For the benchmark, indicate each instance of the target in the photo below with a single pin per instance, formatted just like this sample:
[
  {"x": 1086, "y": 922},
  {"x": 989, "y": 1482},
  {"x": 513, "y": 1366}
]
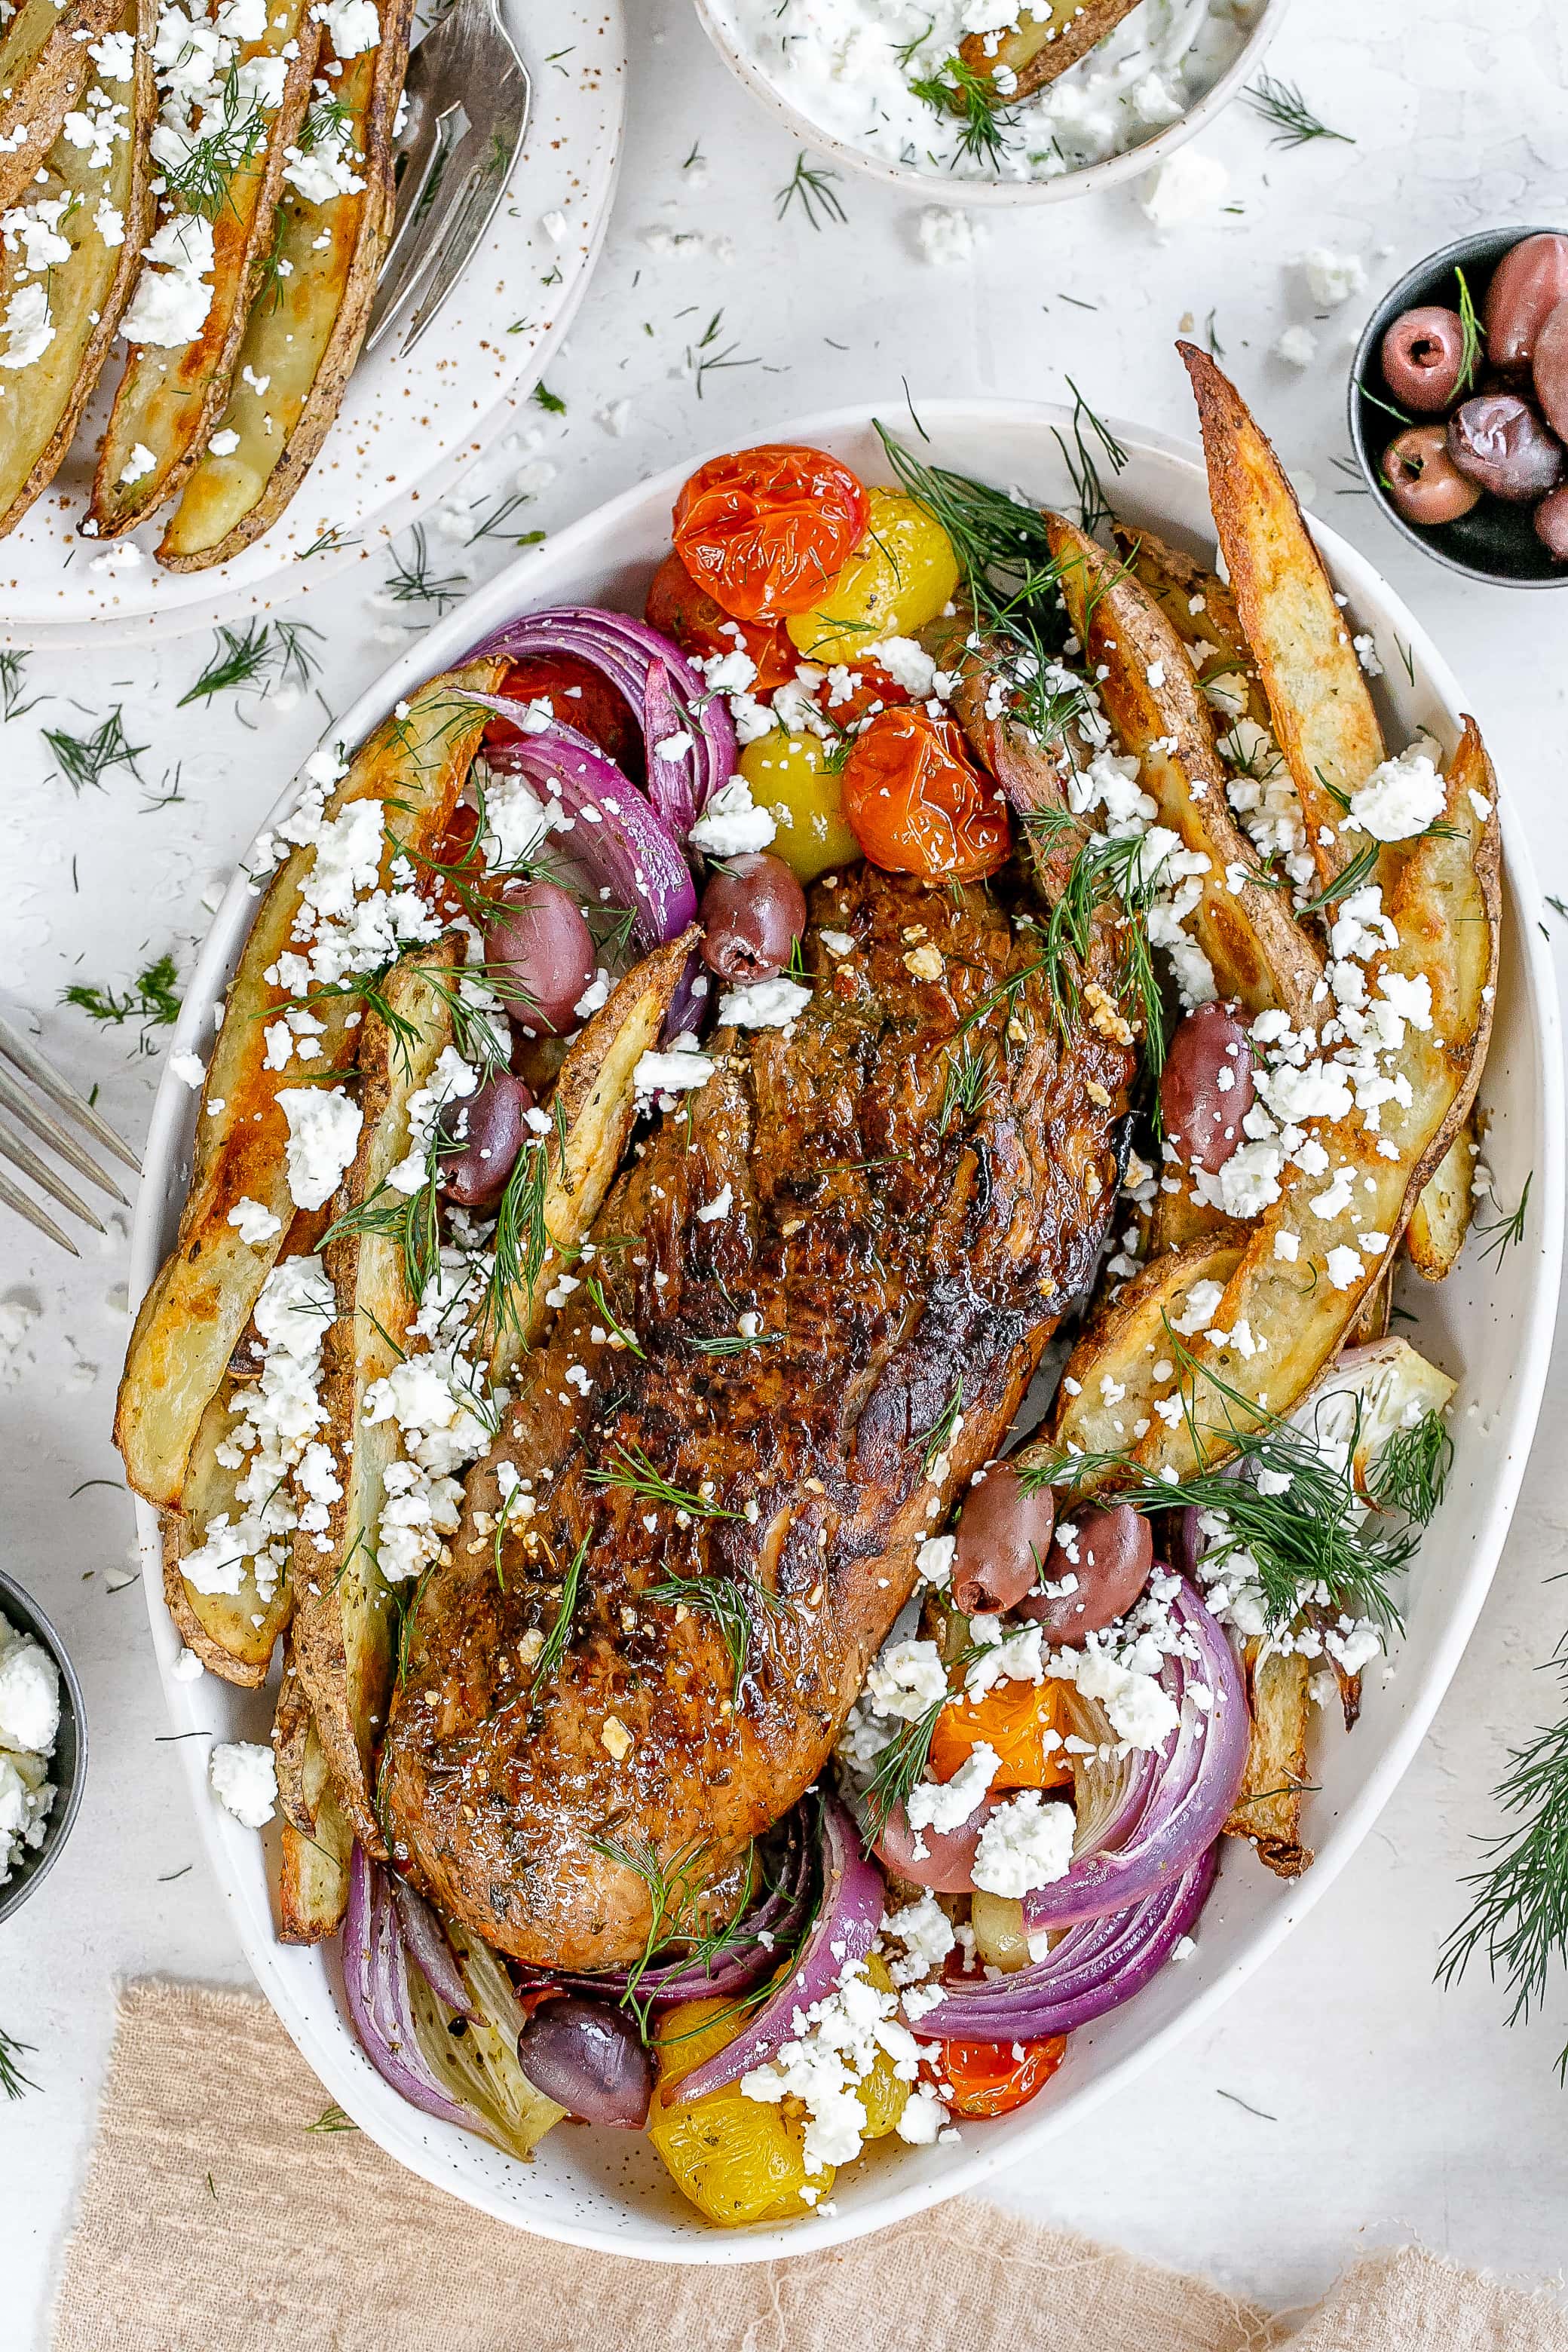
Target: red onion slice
[
  {"x": 376, "y": 1979},
  {"x": 430, "y": 1948},
  {"x": 670, "y": 786},
  {"x": 848, "y": 1916},
  {"x": 616, "y": 835}
]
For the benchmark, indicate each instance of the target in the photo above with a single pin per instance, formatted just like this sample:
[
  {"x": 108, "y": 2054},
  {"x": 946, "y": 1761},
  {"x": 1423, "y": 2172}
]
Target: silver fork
[
  {"x": 14, "y": 1146},
  {"x": 468, "y": 95}
]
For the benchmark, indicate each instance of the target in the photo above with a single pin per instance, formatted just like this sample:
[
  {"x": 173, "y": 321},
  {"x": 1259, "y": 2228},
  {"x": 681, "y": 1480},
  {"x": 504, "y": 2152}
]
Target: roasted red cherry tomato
[
  {"x": 918, "y": 804},
  {"x": 868, "y": 688},
  {"x": 455, "y": 847},
  {"x": 764, "y": 530},
  {"x": 702, "y": 628},
  {"x": 579, "y": 697},
  {"x": 985, "y": 2077}
]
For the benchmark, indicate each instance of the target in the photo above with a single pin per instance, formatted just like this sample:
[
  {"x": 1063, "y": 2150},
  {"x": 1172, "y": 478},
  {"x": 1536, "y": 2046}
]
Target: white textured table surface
[{"x": 1388, "y": 2108}]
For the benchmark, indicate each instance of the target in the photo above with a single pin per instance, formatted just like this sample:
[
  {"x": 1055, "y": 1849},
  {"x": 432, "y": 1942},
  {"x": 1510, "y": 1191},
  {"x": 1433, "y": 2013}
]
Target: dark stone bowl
[{"x": 68, "y": 1767}]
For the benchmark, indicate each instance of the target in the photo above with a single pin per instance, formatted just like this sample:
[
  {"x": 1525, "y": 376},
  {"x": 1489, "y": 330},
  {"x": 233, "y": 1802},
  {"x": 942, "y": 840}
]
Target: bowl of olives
[{"x": 1458, "y": 406}]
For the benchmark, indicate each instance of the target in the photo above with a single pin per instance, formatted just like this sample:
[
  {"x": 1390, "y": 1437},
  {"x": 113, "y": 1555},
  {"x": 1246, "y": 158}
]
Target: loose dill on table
[
  {"x": 153, "y": 997},
  {"x": 1281, "y": 104},
  {"x": 86, "y": 758},
  {"x": 12, "y": 2082},
  {"x": 812, "y": 186}
]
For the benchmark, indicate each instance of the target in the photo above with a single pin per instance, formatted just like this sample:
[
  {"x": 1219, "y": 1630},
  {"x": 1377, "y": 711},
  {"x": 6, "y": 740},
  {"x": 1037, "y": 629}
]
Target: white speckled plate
[
  {"x": 407, "y": 427},
  {"x": 1490, "y": 1325}
]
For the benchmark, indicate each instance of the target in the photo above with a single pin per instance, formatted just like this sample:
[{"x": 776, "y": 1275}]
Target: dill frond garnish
[
  {"x": 966, "y": 1083},
  {"x": 728, "y": 1600},
  {"x": 153, "y": 997},
  {"x": 240, "y": 659},
  {"x": 734, "y": 1343},
  {"x": 812, "y": 186},
  {"x": 13, "y": 671},
  {"x": 1471, "y": 331},
  {"x": 548, "y": 1662},
  {"x": 86, "y": 758},
  {"x": 12, "y": 2082},
  {"x": 616, "y": 1328},
  {"x": 548, "y": 400},
  {"x": 412, "y": 580},
  {"x": 639, "y": 1476},
  {"x": 1281, "y": 104},
  {"x": 702, "y": 360},
  {"x": 1350, "y": 877},
  {"x": 1107, "y": 871},
  {"x": 203, "y": 175},
  {"x": 1412, "y": 1470},
  {"x": 332, "y": 2119},
  {"x": 1085, "y": 426},
  {"x": 934, "y": 1442},
  {"x": 1506, "y": 1231},
  {"x": 900, "y": 1765},
  {"x": 984, "y": 118}
]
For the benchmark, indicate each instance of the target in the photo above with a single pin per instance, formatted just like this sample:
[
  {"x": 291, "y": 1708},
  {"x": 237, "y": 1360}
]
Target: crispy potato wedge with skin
[
  {"x": 1174, "y": 581},
  {"x": 44, "y": 66},
  {"x": 1258, "y": 951},
  {"x": 1042, "y": 46},
  {"x": 290, "y": 1734},
  {"x": 1321, "y": 710},
  {"x": 343, "y": 1637},
  {"x": 313, "y": 1878},
  {"x": 307, "y": 322},
  {"x": 596, "y": 1105},
  {"x": 1447, "y": 909},
  {"x": 1268, "y": 1809},
  {"x": 169, "y": 397},
  {"x": 233, "y": 1633},
  {"x": 43, "y": 403},
  {"x": 1436, "y": 1233},
  {"x": 1122, "y": 1365},
  {"x": 202, "y": 1298}
]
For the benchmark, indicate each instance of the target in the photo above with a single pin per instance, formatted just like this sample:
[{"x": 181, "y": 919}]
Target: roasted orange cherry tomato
[
  {"x": 580, "y": 697},
  {"x": 1015, "y": 1719},
  {"x": 454, "y": 847},
  {"x": 985, "y": 2077},
  {"x": 917, "y": 803},
  {"x": 764, "y": 530},
  {"x": 867, "y": 689},
  {"x": 700, "y": 627}
]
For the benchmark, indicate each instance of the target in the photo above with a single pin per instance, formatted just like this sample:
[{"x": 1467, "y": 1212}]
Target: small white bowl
[{"x": 715, "y": 19}]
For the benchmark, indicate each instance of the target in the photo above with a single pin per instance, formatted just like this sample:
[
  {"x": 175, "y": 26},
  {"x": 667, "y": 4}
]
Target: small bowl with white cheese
[
  {"x": 918, "y": 94},
  {"x": 43, "y": 1746}
]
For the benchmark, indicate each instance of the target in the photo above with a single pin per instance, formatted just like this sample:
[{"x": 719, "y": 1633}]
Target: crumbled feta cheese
[
  {"x": 732, "y": 824},
  {"x": 1400, "y": 797},
  {"x": 190, "y": 1070},
  {"x": 1333, "y": 277},
  {"x": 764, "y": 1004},
  {"x": 1027, "y": 1843},
  {"x": 1298, "y": 347},
  {"x": 906, "y": 1678},
  {"x": 1183, "y": 186},
  {"x": 255, "y": 1222},
  {"x": 243, "y": 1776},
  {"x": 323, "y": 1136}
]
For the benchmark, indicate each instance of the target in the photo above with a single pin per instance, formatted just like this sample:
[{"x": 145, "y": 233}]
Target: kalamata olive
[
  {"x": 1528, "y": 282},
  {"x": 589, "y": 2059},
  {"x": 1205, "y": 1086},
  {"x": 539, "y": 955},
  {"x": 753, "y": 912},
  {"x": 947, "y": 1863},
  {"x": 1549, "y": 368},
  {"x": 1423, "y": 482},
  {"x": 1105, "y": 1557},
  {"x": 480, "y": 1137},
  {"x": 1501, "y": 443},
  {"x": 1424, "y": 357},
  {"x": 1552, "y": 522},
  {"x": 1003, "y": 1539}
]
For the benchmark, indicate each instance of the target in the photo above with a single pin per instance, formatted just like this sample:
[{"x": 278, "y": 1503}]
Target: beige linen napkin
[{"x": 213, "y": 2220}]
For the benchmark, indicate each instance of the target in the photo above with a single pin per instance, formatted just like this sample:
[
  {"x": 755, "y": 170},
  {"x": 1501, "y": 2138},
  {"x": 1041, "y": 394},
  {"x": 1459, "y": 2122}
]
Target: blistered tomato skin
[
  {"x": 578, "y": 696},
  {"x": 752, "y": 914},
  {"x": 1499, "y": 442},
  {"x": 790, "y": 777},
  {"x": 1527, "y": 285},
  {"x": 870, "y": 689},
  {"x": 682, "y": 610},
  {"x": 737, "y": 2160},
  {"x": 902, "y": 574},
  {"x": 1205, "y": 1086},
  {"x": 764, "y": 530},
  {"x": 978, "y": 2079},
  {"x": 918, "y": 804},
  {"x": 1423, "y": 482},
  {"x": 1424, "y": 358}
]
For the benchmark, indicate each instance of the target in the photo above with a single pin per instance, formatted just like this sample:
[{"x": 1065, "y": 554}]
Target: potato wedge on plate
[
  {"x": 308, "y": 318},
  {"x": 1123, "y": 1362},
  {"x": 1436, "y": 1233},
  {"x": 105, "y": 208},
  {"x": 233, "y": 1633},
  {"x": 226, "y": 192},
  {"x": 1201, "y": 609},
  {"x": 1268, "y": 1809},
  {"x": 44, "y": 66},
  {"x": 1042, "y": 44},
  {"x": 316, "y": 1839},
  {"x": 205, "y": 1291}
]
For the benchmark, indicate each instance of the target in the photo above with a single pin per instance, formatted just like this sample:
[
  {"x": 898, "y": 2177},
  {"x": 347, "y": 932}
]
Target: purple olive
[
  {"x": 539, "y": 955},
  {"x": 1496, "y": 440},
  {"x": 480, "y": 1138},
  {"x": 589, "y": 2059},
  {"x": 1527, "y": 284},
  {"x": 947, "y": 1865},
  {"x": 1552, "y": 522},
  {"x": 1424, "y": 483},
  {"x": 1003, "y": 1539},
  {"x": 1424, "y": 357},
  {"x": 1107, "y": 1554},
  {"x": 753, "y": 912},
  {"x": 1205, "y": 1086},
  {"x": 1549, "y": 368}
]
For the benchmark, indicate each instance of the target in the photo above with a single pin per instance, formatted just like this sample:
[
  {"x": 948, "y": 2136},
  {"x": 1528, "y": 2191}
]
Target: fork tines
[{"x": 41, "y": 1121}]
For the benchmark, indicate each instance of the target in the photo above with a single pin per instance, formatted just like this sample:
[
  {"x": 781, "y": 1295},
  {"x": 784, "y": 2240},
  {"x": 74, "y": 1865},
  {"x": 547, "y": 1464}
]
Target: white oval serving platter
[
  {"x": 1490, "y": 1325},
  {"x": 408, "y": 426}
]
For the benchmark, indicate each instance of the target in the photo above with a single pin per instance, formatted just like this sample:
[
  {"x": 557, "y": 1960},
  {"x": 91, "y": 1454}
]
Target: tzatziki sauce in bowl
[{"x": 919, "y": 92}]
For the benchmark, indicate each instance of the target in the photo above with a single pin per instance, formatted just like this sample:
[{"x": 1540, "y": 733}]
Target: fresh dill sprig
[
  {"x": 13, "y": 670},
  {"x": 493, "y": 524},
  {"x": 1470, "y": 333},
  {"x": 1506, "y": 1231},
  {"x": 297, "y": 662},
  {"x": 727, "y": 1600},
  {"x": 1085, "y": 425},
  {"x": 239, "y": 658},
  {"x": 1413, "y": 1468},
  {"x": 673, "y": 1888},
  {"x": 985, "y": 117},
  {"x": 616, "y": 1328},
  {"x": 521, "y": 1243},
  {"x": 548, "y": 1662},
  {"x": 935, "y": 1442},
  {"x": 86, "y": 758},
  {"x": 412, "y": 580},
  {"x": 12, "y": 2082},
  {"x": 1281, "y": 104},
  {"x": 643, "y": 1478},
  {"x": 1349, "y": 878},
  {"x": 900, "y": 1765},
  {"x": 812, "y": 186},
  {"x": 204, "y": 173},
  {"x": 734, "y": 1343},
  {"x": 153, "y": 997},
  {"x": 548, "y": 400},
  {"x": 332, "y": 2119},
  {"x": 1107, "y": 870},
  {"x": 965, "y": 1084},
  {"x": 700, "y": 367}
]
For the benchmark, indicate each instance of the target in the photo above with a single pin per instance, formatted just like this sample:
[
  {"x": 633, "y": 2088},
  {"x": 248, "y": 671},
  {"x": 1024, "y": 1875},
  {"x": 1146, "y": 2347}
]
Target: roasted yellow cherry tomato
[
  {"x": 902, "y": 575},
  {"x": 790, "y": 777},
  {"x": 881, "y": 2093},
  {"x": 737, "y": 2160}
]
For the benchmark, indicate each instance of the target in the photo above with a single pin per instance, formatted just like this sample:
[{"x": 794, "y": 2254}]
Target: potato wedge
[
  {"x": 1212, "y": 635},
  {"x": 205, "y": 1291},
  {"x": 44, "y": 64},
  {"x": 1268, "y": 1809},
  {"x": 170, "y": 394},
  {"x": 1123, "y": 1362},
  {"x": 233, "y": 1633},
  {"x": 1321, "y": 710},
  {"x": 87, "y": 293},
  {"x": 1447, "y": 909},
  {"x": 1253, "y": 944},
  {"x": 316, "y": 1839},
  {"x": 594, "y": 1106},
  {"x": 1436, "y": 1233},
  {"x": 342, "y": 1639},
  {"x": 1042, "y": 44},
  {"x": 308, "y": 318}
]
